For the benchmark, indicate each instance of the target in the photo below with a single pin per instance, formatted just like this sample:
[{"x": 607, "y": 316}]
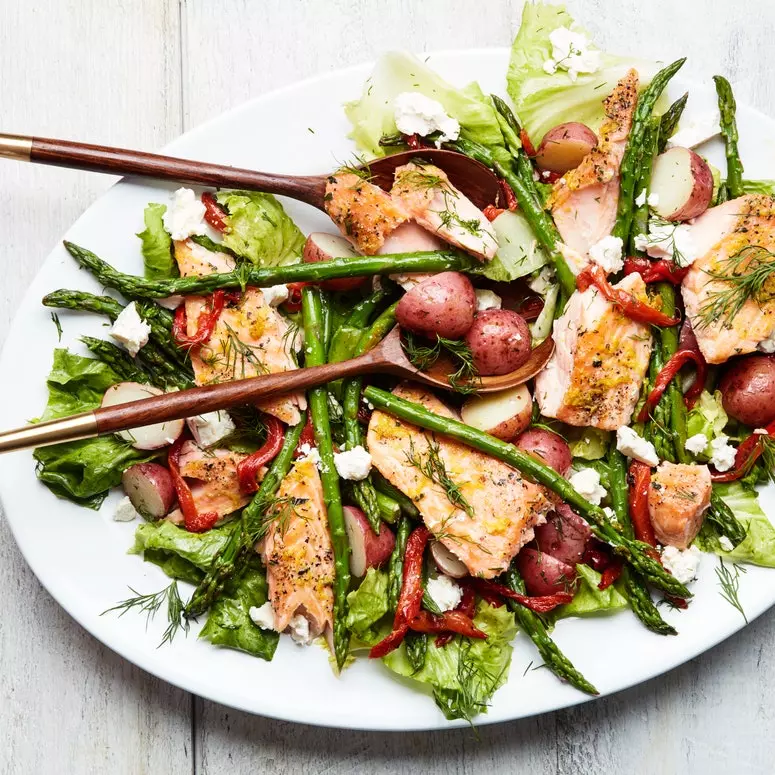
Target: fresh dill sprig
[
  {"x": 151, "y": 603},
  {"x": 434, "y": 468},
  {"x": 423, "y": 356},
  {"x": 748, "y": 274},
  {"x": 358, "y": 166},
  {"x": 729, "y": 582},
  {"x": 58, "y": 325},
  {"x": 277, "y": 513}
]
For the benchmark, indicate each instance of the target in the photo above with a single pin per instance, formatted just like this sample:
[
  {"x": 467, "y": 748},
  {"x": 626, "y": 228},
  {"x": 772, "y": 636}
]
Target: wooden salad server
[
  {"x": 386, "y": 358},
  {"x": 477, "y": 182}
]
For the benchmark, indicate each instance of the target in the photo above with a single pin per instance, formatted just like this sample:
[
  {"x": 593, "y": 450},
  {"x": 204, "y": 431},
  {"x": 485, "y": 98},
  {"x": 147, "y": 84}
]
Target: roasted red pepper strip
[
  {"x": 491, "y": 212},
  {"x": 610, "y": 574},
  {"x": 449, "y": 621},
  {"x": 666, "y": 376},
  {"x": 194, "y": 521},
  {"x": 747, "y": 454},
  {"x": 508, "y": 195},
  {"x": 526, "y": 144},
  {"x": 205, "y": 325},
  {"x": 293, "y": 302},
  {"x": 215, "y": 215},
  {"x": 639, "y": 476},
  {"x": 247, "y": 468},
  {"x": 541, "y": 604},
  {"x": 594, "y": 274},
  {"x": 467, "y": 607},
  {"x": 655, "y": 271},
  {"x": 410, "y": 599}
]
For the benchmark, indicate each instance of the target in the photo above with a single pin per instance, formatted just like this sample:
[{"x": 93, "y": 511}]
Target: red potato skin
[
  {"x": 748, "y": 390},
  {"x": 157, "y": 477},
  {"x": 564, "y": 146},
  {"x": 312, "y": 255},
  {"x": 548, "y": 447},
  {"x": 544, "y": 574},
  {"x": 702, "y": 191},
  {"x": 564, "y": 535},
  {"x": 377, "y": 548},
  {"x": 442, "y": 305},
  {"x": 499, "y": 340}
]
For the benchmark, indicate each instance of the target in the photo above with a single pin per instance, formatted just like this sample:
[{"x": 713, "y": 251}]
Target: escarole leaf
[
  {"x": 258, "y": 228},
  {"x": 158, "y": 260},
  {"x": 542, "y": 100},
  {"x": 367, "y": 605},
  {"x": 372, "y": 116}
]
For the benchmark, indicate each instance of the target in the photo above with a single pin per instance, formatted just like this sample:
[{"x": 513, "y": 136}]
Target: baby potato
[
  {"x": 564, "y": 146},
  {"x": 442, "y": 305},
  {"x": 499, "y": 340},
  {"x": 748, "y": 390}
]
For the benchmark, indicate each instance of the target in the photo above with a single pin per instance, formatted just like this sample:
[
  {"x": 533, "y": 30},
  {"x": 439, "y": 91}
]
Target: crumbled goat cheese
[
  {"x": 130, "y": 330},
  {"x": 171, "y": 302},
  {"x": 262, "y": 616},
  {"x": 608, "y": 253},
  {"x": 640, "y": 200},
  {"x": 572, "y": 51},
  {"x": 636, "y": 447},
  {"x": 486, "y": 299},
  {"x": 653, "y": 200},
  {"x": 696, "y": 444},
  {"x": 417, "y": 114},
  {"x": 299, "y": 630},
  {"x": 308, "y": 452},
  {"x": 668, "y": 240},
  {"x": 353, "y": 464},
  {"x": 184, "y": 216},
  {"x": 767, "y": 345},
  {"x": 275, "y": 295},
  {"x": 722, "y": 453},
  {"x": 610, "y": 514},
  {"x": 696, "y": 131},
  {"x": 725, "y": 543},
  {"x": 210, "y": 427},
  {"x": 125, "y": 511},
  {"x": 444, "y": 592},
  {"x": 542, "y": 282},
  {"x": 761, "y": 432},
  {"x": 682, "y": 564},
  {"x": 587, "y": 484}
]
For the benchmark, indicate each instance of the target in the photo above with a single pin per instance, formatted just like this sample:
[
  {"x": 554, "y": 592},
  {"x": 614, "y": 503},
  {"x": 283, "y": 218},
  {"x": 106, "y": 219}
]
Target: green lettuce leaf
[
  {"x": 158, "y": 259},
  {"x": 518, "y": 252},
  {"x": 588, "y": 443},
  {"x": 590, "y": 600},
  {"x": 543, "y": 101},
  {"x": 367, "y": 605},
  {"x": 707, "y": 417},
  {"x": 464, "y": 674},
  {"x": 229, "y": 623},
  {"x": 259, "y": 229},
  {"x": 758, "y": 547},
  {"x": 759, "y": 187},
  {"x": 372, "y": 115}
]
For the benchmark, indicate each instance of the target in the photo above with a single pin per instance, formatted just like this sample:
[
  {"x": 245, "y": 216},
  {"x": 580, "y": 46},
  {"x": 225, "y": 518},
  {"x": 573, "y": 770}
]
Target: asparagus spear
[
  {"x": 669, "y": 121},
  {"x": 132, "y": 286},
  {"x": 628, "y": 169},
  {"x": 312, "y": 311},
  {"x": 727, "y": 108},
  {"x": 118, "y": 360},
  {"x": 632, "y": 551},
  {"x": 640, "y": 220},
  {"x": 724, "y": 519},
  {"x": 396, "y": 564},
  {"x": 232, "y": 559},
  {"x": 533, "y": 625}
]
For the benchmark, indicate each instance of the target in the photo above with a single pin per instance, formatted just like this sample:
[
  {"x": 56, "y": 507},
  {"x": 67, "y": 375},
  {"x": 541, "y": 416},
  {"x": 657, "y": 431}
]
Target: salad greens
[{"x": 157, "y": 245}]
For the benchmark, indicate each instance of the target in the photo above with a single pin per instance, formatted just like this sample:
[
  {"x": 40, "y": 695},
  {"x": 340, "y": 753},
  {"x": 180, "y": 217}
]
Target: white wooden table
[{"x": 137, "y": 73}]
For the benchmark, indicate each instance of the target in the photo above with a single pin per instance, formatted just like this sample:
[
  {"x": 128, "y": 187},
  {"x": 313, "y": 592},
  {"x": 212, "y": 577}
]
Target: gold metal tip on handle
[
  {"x": 17, "y": 147},
  {"x": 79, "y": 426}
]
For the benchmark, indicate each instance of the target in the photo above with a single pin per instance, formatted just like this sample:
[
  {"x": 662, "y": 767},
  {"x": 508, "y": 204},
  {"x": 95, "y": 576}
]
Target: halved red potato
[
  {"x": 548, "y": 447},
  {"x": 446, "y": 562},
  {"x": 442, "y": 305},
  {"x": 564, "y": 535},
  {"x": 683, "y": 184},
  {"x": 368, "y": 550},
  {"x": 499, "y": 340},
  {"x": 503, "y": 415},
  {"x": 544, "y": 574},
  {"x": 748, "y": 390},
  {"x": 150, "y": 489},
  {"x": 325, "y": 247},
  {"x": 150, "y": 436},
  {"x": 564, "y": 146}
]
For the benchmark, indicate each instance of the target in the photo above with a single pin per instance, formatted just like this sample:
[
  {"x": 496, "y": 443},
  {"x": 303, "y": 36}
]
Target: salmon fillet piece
[
  {"x": 249, "y": 339},
  {"x": 720, "y": 336},
  {"x": 216, "y": 489},
  {"x": 584, "y": 201},
  {"x": 679, "y": 495},
  {"x": 506, "y": 507},
  {"x": 298, "y": 554},
  {"x": 410, "y": 237},
  {"x": 425, "y": 192},
  {"x": 600, "y": 360},
  {"x": 364, "y": 213}
]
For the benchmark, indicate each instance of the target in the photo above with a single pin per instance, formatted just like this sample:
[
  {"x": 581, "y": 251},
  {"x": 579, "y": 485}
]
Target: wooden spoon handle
[{"x": 120, "y": 161}]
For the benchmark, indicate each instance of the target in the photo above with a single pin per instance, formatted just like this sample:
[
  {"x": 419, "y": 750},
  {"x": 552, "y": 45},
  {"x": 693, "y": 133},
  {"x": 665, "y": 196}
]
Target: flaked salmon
[
  {"x": 424, "y": 191},
  {"x": 249, "y": 339},
  {"x": 600, "y": 360},
  {"x": 298, "y": 554},
  {"x": 364, "y": 213},
  {"x": 585, "y": 200},
  {"x": 678, "y": 498},
  {"x": 410, "y": 237},
  {"x": 504, "y": 506},
  {"x": 724, "y": 330}
]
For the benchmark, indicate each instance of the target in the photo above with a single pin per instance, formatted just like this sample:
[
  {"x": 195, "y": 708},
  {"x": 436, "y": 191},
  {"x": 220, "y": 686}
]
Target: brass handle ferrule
[
  {"x": 79, "y": 426},
  {"x": 17, "y": 147}
]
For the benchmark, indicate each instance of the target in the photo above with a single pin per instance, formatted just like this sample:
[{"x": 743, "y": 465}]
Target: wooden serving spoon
[
  {"x": 386, "y": 358},
  {"x": 477, "y": 182}
]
